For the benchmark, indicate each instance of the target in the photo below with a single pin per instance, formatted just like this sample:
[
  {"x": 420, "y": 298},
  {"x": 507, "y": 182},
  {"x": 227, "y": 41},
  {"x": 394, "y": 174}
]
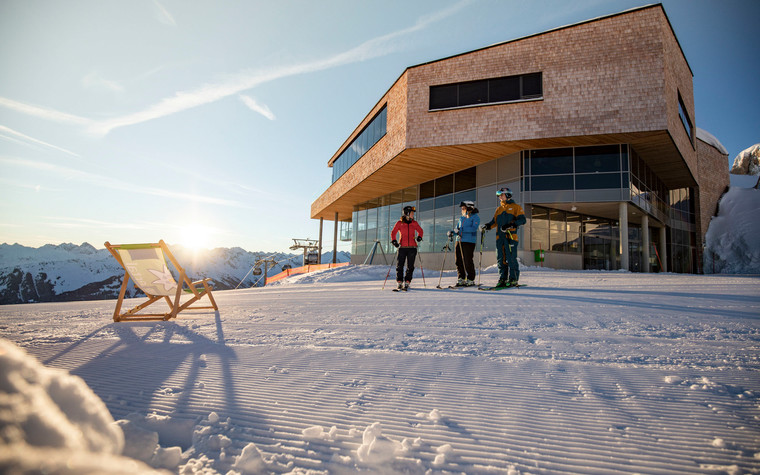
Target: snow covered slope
[
  {"x": 732, "y": 242},
  {"x": 55, "y": 273},
  {"x": 577, "y": 373}
]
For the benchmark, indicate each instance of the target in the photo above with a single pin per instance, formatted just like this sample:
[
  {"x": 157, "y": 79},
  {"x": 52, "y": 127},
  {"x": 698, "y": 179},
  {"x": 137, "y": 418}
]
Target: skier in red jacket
[{"x": 407, "y": 249}]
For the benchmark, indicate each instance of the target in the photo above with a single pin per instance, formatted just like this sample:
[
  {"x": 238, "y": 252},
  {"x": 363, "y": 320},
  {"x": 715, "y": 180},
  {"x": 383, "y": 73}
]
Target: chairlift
[{"x": 257, "y": 271}]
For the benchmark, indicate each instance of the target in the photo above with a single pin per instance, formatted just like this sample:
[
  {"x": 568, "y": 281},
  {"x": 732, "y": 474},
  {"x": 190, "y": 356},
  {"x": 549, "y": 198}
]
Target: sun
[{"x": 195, "y": 237}]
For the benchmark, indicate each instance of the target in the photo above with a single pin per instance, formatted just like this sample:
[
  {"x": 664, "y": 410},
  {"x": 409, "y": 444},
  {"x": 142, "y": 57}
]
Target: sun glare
[{"x": 195, "y": 237}]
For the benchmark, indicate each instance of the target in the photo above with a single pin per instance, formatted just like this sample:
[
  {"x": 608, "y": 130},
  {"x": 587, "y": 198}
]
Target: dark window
[
  {"x": 548, "y": 183},
  {"x": 597, "y": 159},
  {"x": 427, "y": 190},
  {"x": 597, "y": 181},
  {"x": 551, "y": 161},
  {"x": 366, "y": 139},
  {"x": 475, "y": 92},
  {"x": 685, "y": 119},
  {"x": 486, "y": 91},
  {"x": 444, "y": 185},
  {"x": 531, "y": 85},
  {"x": 504, "y": 89},
  {"x": 443, "y": 97},
  {"x": 465, "y": 180}
]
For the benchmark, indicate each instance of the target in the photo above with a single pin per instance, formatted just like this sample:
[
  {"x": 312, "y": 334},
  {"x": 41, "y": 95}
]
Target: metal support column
[
  {"x": 335, "y": 240},
  {"x": 321, "y": 223},
  {"x": 663, "y": 249},
  {"x": 623, "y": 219},
  {"x": 645, "y": 243}
]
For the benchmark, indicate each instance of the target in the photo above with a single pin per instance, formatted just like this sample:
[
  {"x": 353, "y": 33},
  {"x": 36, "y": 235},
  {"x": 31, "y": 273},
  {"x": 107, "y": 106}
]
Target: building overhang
[{"x": 418, "y": 165}]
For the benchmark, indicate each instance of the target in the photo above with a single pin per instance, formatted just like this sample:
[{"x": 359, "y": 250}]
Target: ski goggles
[{"x": 503, "y": 191}]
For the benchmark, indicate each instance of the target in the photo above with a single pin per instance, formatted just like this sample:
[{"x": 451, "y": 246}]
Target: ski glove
[
  {"x": 419, "y": 238},
  {"x": 483, "y": 228},
  {"x": 395, "y": 243},
  {"x": 509, "y": 226}
]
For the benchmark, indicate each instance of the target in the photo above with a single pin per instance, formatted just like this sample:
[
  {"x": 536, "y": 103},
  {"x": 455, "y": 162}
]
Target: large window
[
  {"x": 437, "y": 202},
  {"x": 580, "y": 168},
  {"x": 684, "y": 116},
  {"x": 487, "y": 91},
  {"x": 368, "y": 137}
]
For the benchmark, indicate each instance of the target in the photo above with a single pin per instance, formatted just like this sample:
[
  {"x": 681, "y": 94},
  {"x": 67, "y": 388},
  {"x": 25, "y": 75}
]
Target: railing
[{"x": 303, "y": 270}]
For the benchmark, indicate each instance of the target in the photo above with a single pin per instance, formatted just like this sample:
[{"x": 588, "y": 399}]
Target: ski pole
[
  {"x": 422, "y": 269},
  {"x": 446, "y": 251},
  {"x": 461, "y": 256},
  {"x": 480, "y": 264},
  {"x": 395, "y": 259}
]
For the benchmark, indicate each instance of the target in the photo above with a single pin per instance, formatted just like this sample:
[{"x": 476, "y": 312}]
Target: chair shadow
[{"x": 155, "y": 353}]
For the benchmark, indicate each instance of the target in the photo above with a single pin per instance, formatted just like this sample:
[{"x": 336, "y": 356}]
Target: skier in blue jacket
[{"x": 467, "y": 230}]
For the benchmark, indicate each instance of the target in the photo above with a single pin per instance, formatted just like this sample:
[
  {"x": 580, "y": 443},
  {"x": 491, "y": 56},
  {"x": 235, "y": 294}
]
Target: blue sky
[{"x": 211, "y": 123}]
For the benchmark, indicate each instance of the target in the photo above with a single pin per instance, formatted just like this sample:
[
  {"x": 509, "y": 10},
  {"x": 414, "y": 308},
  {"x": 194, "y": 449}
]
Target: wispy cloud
[
  {"x": 213, "y": 92},
  {"x": 5, "y": 132},
  {"x": 256, "y": 107},
  {"x": 95, "y": 81},
  {"x": 67, "y": 222},
  {"x": 44, "y": 113},
  {"x": 236, "y": 84},
  {"x": 163, "y": 14},
  {"x": 117, "y": 184}
]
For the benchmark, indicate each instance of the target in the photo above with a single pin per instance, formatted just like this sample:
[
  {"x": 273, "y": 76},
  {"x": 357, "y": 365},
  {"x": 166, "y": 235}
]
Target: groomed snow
[{"x": 578, "y": 372}]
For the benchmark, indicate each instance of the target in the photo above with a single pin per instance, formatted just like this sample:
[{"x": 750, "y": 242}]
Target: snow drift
[{"x": 732, "y": 241}]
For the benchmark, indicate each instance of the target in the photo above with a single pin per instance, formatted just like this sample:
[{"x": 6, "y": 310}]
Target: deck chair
[{"x": 146, "y": 265}]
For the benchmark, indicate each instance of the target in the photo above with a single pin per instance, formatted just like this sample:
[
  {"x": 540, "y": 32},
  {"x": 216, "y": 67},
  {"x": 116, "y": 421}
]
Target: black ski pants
[
  {"x": 405, "y": 255},
  {"x": 465, "y": 263}
]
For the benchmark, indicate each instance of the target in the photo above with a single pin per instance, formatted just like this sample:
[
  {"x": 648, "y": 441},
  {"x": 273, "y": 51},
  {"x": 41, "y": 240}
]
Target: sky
[{"x": 211, "y": 123}]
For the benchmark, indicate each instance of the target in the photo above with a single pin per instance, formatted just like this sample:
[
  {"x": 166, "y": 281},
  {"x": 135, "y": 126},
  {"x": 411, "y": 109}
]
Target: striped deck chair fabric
[{"x": 146, "y": 265}]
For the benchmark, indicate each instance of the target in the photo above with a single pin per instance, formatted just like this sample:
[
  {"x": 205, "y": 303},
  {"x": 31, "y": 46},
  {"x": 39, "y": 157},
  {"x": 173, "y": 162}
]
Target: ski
[{"x": 502, "y": 287}]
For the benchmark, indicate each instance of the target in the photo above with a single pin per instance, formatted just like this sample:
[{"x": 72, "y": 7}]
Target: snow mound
[
  {"x": 731, "y": 243},
  {"x": 350, "y": 273},
  {"x": 710, "y": 139},
  {"x": 52, "y": 422},
  {"x": 747, "y": 162}
]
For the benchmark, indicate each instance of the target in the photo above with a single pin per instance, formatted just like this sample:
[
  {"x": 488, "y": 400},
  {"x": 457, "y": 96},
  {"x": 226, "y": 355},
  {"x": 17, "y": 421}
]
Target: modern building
[{"x": 591, "y": 125}]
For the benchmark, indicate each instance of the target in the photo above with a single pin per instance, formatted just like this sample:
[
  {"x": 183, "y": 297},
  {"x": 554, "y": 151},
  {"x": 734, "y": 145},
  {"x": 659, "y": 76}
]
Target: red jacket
[{"x": 407, "y": 230}]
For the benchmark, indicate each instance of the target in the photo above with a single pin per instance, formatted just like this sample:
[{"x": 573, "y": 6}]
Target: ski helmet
[
  {"x": 408, "y": 210},
  {"x": 467, "y": 204},
  {"x": 504, "y": 191}
]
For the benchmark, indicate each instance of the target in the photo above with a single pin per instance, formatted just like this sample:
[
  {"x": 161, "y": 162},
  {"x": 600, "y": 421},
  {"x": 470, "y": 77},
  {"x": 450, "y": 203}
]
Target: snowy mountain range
[{"x": 56, "y": 273}]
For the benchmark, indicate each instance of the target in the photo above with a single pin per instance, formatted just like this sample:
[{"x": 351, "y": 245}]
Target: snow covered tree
[{"x": 748, "y": 163}]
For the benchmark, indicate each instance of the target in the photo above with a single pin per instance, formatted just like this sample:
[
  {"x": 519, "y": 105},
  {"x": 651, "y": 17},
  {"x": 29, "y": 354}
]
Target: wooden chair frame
[{"x": 198, "y": 289}]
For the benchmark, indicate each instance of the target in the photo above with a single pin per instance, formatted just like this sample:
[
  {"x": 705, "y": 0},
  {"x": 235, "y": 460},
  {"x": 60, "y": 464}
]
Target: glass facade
[
  {"x": 681, "y": 232},
  {"x": 610, "y": 173},
  {"x": 565, "y": 174},
  {"x": 368, "y": 137}
]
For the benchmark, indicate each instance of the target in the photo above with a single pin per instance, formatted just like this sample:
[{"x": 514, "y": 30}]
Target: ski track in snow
[{"x": 579, "y": 372}]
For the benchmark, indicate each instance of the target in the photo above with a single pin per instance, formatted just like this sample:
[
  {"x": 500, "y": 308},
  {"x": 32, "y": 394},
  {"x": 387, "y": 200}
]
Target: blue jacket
[{"x": 468, "y": 227}]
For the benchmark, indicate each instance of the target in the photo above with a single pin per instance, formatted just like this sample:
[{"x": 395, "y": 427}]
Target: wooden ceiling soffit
[
  {"x": 418, "y": 165},
  {"x": 661, "y": 154}
]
